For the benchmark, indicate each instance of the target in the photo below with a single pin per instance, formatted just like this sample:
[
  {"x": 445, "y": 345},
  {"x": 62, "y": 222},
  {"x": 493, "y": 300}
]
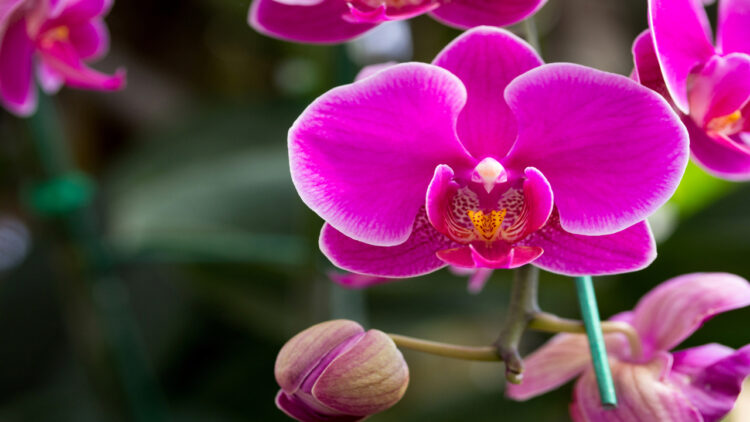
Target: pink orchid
[
  {"x": 423, "y": 165},
  {"x": 692, "y": 385},
  {"x": 330, "y": 21},
  {"x": 709, "y": 85},
  {"x": 58, "y": 37}
]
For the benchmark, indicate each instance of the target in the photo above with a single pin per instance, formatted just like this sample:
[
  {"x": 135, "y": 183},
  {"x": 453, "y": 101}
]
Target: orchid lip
[{"x": 726, "y": 125}]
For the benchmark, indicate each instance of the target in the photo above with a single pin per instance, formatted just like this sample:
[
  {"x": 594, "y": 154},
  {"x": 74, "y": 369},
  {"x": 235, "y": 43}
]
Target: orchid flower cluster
[{"x": 485, "y": 159}]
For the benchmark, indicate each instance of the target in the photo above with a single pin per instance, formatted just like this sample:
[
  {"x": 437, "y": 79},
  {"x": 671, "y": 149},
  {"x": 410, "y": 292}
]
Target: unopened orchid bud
[{"x": 337, "y": 371}]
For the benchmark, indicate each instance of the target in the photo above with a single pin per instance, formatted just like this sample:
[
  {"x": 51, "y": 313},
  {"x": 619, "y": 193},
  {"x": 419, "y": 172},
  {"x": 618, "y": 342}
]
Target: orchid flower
[
  {"x": 487, "y": 159},
  {"x": 698, "y": 384},
  {"x": 58, "y": 38},
  {"x": 331, "y": 21},
  {"x": 709, "y": 85}
]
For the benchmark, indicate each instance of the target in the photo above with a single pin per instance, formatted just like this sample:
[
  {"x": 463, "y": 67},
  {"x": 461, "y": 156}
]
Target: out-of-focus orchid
[
  {"x": 336, "y": 372},
  {"x": 487, "y": 159},
  {"x": 709, "y": 85},
  {"x": 57, "y": 38},
  {"x": 478, "y": 277},
  {"x": 330, "y": 21},
  {"x": 692, "y": 385}
]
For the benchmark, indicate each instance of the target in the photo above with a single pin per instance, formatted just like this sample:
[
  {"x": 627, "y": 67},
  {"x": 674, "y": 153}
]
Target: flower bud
[{"x": 335, "y": 371}]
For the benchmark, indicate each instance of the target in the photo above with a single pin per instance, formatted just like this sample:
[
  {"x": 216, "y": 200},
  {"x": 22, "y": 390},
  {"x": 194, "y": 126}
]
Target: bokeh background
[{"x": 168, "y": 298}]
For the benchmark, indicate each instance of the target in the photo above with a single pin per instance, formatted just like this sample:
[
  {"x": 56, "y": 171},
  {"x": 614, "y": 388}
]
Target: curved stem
[
  {"x": 486, "y": 353},
  {"x": 547, "y": 322},
  {"x": 522, "y": 308}
]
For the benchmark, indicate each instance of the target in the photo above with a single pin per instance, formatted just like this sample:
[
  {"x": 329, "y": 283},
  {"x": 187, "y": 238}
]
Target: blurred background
[{"x": 168, "y": 298}]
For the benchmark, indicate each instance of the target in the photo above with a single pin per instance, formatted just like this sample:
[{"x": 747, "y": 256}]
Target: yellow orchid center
[
  {"x": 487, "y": 226},
  {"x": 726, "y": 125}
]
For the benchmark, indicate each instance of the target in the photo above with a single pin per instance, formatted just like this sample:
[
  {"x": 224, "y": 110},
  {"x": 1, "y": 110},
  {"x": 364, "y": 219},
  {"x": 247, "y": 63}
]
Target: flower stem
[
  {"x": 486, "y": 353},
  {"x": 550, "y": 323},
  {"x": 521, "y": 310}
]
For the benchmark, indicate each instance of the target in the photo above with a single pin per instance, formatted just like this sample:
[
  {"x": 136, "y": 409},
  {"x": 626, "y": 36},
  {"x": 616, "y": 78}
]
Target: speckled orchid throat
[{"x": 488, "y": 213}]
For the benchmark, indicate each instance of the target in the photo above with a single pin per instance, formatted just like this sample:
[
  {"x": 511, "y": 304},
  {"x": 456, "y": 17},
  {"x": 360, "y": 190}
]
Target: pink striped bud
[{"x": 335, "y": 371}]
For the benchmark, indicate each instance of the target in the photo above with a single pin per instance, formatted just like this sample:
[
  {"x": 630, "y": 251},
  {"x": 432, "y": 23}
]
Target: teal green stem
[
  {"x": 590, "y": 314},
  {"x": 108, "y": 291}
]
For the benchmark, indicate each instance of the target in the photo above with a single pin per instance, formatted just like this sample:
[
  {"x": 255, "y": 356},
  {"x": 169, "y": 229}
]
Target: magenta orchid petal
[
  {"x": 7, "y": 9},
  {"x": 643, "y": 395},
  {"x": 682, "y": 40},
  {"x": 720, "y": 88},
  {"x": 718, "y": 154},
  {"x": 714, "y": 388},
  {"x": 561, "y": 359},
  {"x": 90, "y": 39},
  {"x": 733, "y": 34},
  {"x": 317, "y": 23},
  {"x": 675, "y": 309},
  {"x": 466, "y": 14},
  {"x": 414, "y": 257},
  {"x": 634, "y": 147},
  {"x": 499, "y": 258},
  {"x": 78, "y": 11},
  {"x": 486, "y": 60},
  {"x": 383, "y": 13},
  {"x": 63, "y": 59},
  {"x": 17, "y": 92},
  {"x": 647, "y": 70},
  {"x": 537, "y": 191},
  {"x": 365, "y": 168},
  {"x": 439, "y": 195},
  {"x": 631, "y": 249},
  {"x": 692, "y": 361},
  {"x": 460, "y": 257}
]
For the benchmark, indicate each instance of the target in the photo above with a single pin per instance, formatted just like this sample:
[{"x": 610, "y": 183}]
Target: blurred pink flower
[
  {"x": 477, "y": 278},
  {"x": 58, "y": 38},
  {"x": 330, "y": 21},
  {"x": 336, "y": 372},
  {"x": 487, "y": 159},
  {"x": 692, "y": 385},
  {"x": 709, "y": 85}
]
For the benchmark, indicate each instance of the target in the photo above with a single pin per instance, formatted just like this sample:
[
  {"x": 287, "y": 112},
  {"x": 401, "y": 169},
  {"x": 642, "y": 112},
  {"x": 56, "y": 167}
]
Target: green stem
[
  {"x": 486, "y": 353},
  {"x": 550, "y": 323},
  {"x": 521, "y": 310},
  {"x": 599, "y": 357}
]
